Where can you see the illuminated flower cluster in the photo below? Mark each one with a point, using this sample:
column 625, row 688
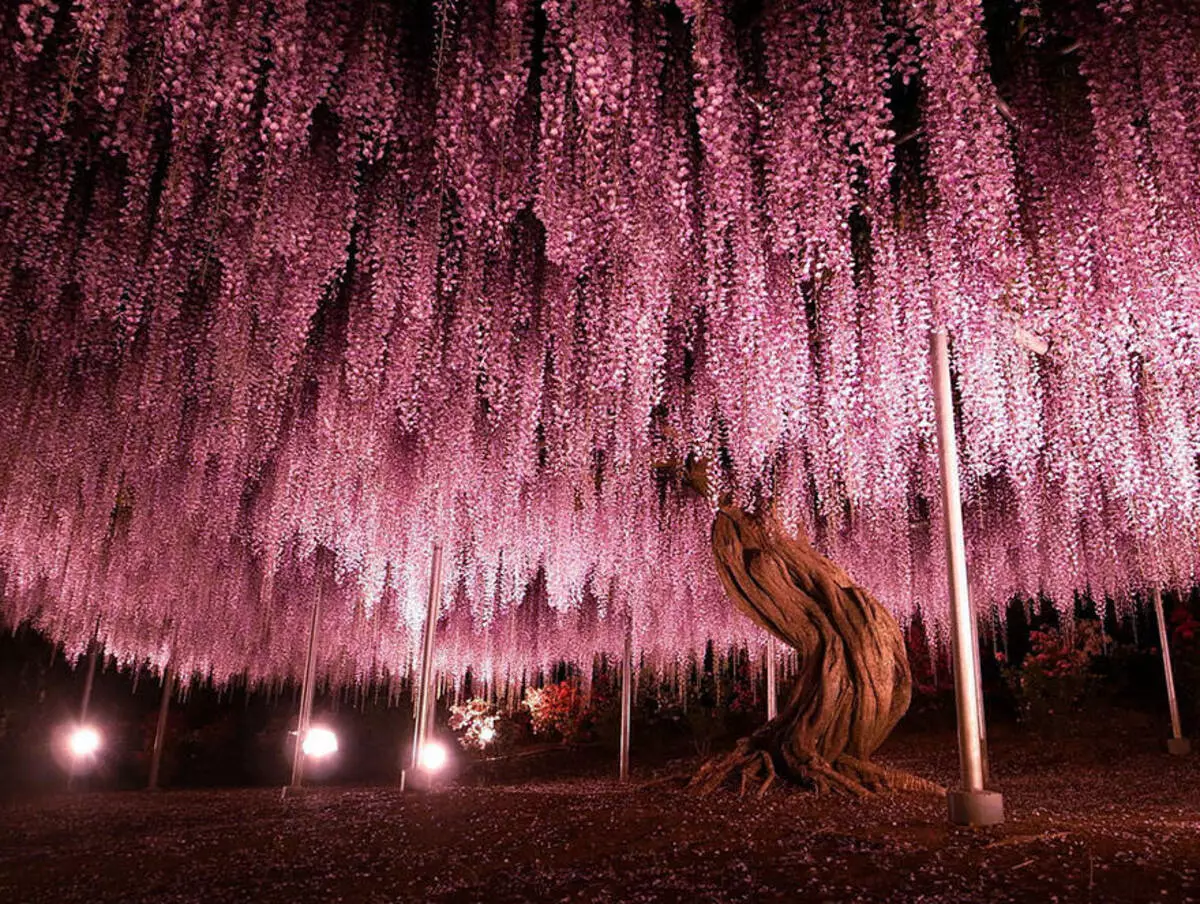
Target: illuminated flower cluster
column 559, row 710
column 476, row 721
column 292, row 289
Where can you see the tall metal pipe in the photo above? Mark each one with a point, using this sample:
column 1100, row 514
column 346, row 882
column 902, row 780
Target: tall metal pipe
column 1172, row 702
column 306, row 693
column 983, row 744
column 88, row 682
column 160, row 730
column 626, row 699
column 424, row 717
column 962, row 618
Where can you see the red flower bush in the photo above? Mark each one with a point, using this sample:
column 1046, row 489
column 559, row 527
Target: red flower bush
column 559, row 710
column 1052, row 680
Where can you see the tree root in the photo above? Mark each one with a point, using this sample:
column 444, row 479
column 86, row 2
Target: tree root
column 671, row 778
column 845, row 775
column 883, row 778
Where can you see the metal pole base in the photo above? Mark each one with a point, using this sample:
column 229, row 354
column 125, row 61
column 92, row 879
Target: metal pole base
column 976, row 808
column 1179, row 746
column 421, row 780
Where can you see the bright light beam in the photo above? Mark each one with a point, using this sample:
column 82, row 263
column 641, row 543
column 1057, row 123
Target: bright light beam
column 319, row 743
column 84, row 742
column 433, row 756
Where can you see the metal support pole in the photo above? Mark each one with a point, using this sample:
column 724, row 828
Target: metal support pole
column 983, row 745
column 89, row 681
column 772, row 688
column 306, row 694
column 160, row 730
column 626, row 698
column 971, row 805
column 424, row 716
column 1177, row 744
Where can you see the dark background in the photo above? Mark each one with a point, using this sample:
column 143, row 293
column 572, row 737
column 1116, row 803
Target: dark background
column 240, row 736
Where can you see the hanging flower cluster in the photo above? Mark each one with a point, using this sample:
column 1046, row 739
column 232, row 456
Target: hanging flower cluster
column 292, row 289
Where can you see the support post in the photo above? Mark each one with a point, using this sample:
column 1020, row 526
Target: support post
column 306, row 694
column 626, row 698
column 970, row 805
column 424, row 717
column 89, row 681
column 772, row 687
column 983, row 744
column 1177, row 744
column 160, row 730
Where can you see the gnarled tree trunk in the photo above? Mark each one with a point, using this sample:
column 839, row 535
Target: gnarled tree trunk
column 854, row 682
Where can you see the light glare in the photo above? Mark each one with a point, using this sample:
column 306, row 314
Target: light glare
column 84, row 742
column 319, row 743
column 433, row 756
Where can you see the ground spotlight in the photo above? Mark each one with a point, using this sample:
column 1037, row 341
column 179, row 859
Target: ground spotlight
column 487, row 734
column 319, row 743
column 83, row 742
column 433, row 756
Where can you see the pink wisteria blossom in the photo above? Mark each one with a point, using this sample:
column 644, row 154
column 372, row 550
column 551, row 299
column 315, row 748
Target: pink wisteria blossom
column 290, row 289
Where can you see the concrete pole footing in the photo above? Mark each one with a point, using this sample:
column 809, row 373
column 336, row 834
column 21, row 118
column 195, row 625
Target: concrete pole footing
column 976, row 808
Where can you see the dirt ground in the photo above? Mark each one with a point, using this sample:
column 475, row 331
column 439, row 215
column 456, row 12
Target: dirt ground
column 1106, row 819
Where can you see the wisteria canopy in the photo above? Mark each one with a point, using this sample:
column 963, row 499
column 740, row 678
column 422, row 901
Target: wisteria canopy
column 292, row 289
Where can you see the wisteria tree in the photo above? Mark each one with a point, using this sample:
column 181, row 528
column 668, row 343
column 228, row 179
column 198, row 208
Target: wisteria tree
column 854, row 683
column 289, row 289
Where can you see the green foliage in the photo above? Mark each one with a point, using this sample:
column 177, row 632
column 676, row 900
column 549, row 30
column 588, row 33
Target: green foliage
column 1052, row 682
column 724, row 704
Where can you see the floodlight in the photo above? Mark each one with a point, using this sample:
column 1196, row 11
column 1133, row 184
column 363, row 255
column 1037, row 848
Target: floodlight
column 83, row 742
column 433, row 756
column 319, row 743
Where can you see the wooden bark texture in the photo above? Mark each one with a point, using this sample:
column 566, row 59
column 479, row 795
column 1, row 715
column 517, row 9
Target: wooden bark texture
column 854, row 683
